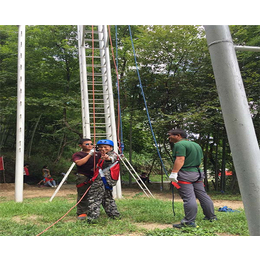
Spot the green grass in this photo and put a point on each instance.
(32, 216)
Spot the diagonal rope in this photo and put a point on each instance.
(65, 213)
(142, 91)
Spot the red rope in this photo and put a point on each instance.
(94, 124)
(66, 213)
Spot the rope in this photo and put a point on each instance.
(142, 91)
(65, 213)
(94, 123)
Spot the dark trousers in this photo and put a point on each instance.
(83, 205)
(189, 193)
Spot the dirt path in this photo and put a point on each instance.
(7, 192)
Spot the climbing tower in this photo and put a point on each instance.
(98, 115)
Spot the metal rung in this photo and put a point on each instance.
(90, 40)
(96, 65)
(99, 82)
(100, 113)
(95, 74)
(96, 91)
(96, 57)
(100, 123)
(97, 127)
(91, 48)
(96, 32)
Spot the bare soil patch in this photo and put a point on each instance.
(7, 192)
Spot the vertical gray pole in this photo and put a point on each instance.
(20, 115)
(240, 130)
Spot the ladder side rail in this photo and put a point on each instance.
(63, 180)
(111, 103)
(83, 83)
(104, 82)
(137, 175)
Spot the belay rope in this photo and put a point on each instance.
(149, 120)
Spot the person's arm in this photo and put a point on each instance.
(179, 162)
(83, 160)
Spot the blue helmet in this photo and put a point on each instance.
(105, 141)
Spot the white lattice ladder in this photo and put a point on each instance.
(97, 105)
(102, 99)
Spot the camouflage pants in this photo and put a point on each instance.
(98, 196)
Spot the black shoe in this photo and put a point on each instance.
(184, 225)
(210, 219)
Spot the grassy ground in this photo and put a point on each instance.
(35, 215)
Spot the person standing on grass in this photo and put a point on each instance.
(86, 161)
(108, 174)
(187, 157)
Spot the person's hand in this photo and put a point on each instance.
(92, 151)
(173, 176)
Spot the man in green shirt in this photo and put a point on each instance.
(187, 157)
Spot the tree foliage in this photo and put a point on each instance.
(176, 76)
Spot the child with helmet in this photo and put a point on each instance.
(107, 173)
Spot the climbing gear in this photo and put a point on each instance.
(226, 209)
(184, 225)
(82, 216)
(114, 172)
(105, 141)
(173, 176)
(89, 182)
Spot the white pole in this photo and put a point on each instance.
(240, 129)
(20, 115)
(83, 83)
(247, 48)
(117, 192)
(63, 180)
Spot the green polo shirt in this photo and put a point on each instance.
(191, 151)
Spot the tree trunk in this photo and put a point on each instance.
(223, 167)
(130, 146)
(32, 136)
(205, 164)
(216, 161)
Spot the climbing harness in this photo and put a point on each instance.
(114, 169)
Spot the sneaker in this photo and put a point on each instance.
(210, 219)
(82, 216)
(181, 225)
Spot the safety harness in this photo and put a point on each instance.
(114, 172)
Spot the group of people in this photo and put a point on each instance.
(95, 179)
(95, 183)
(47, 178)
